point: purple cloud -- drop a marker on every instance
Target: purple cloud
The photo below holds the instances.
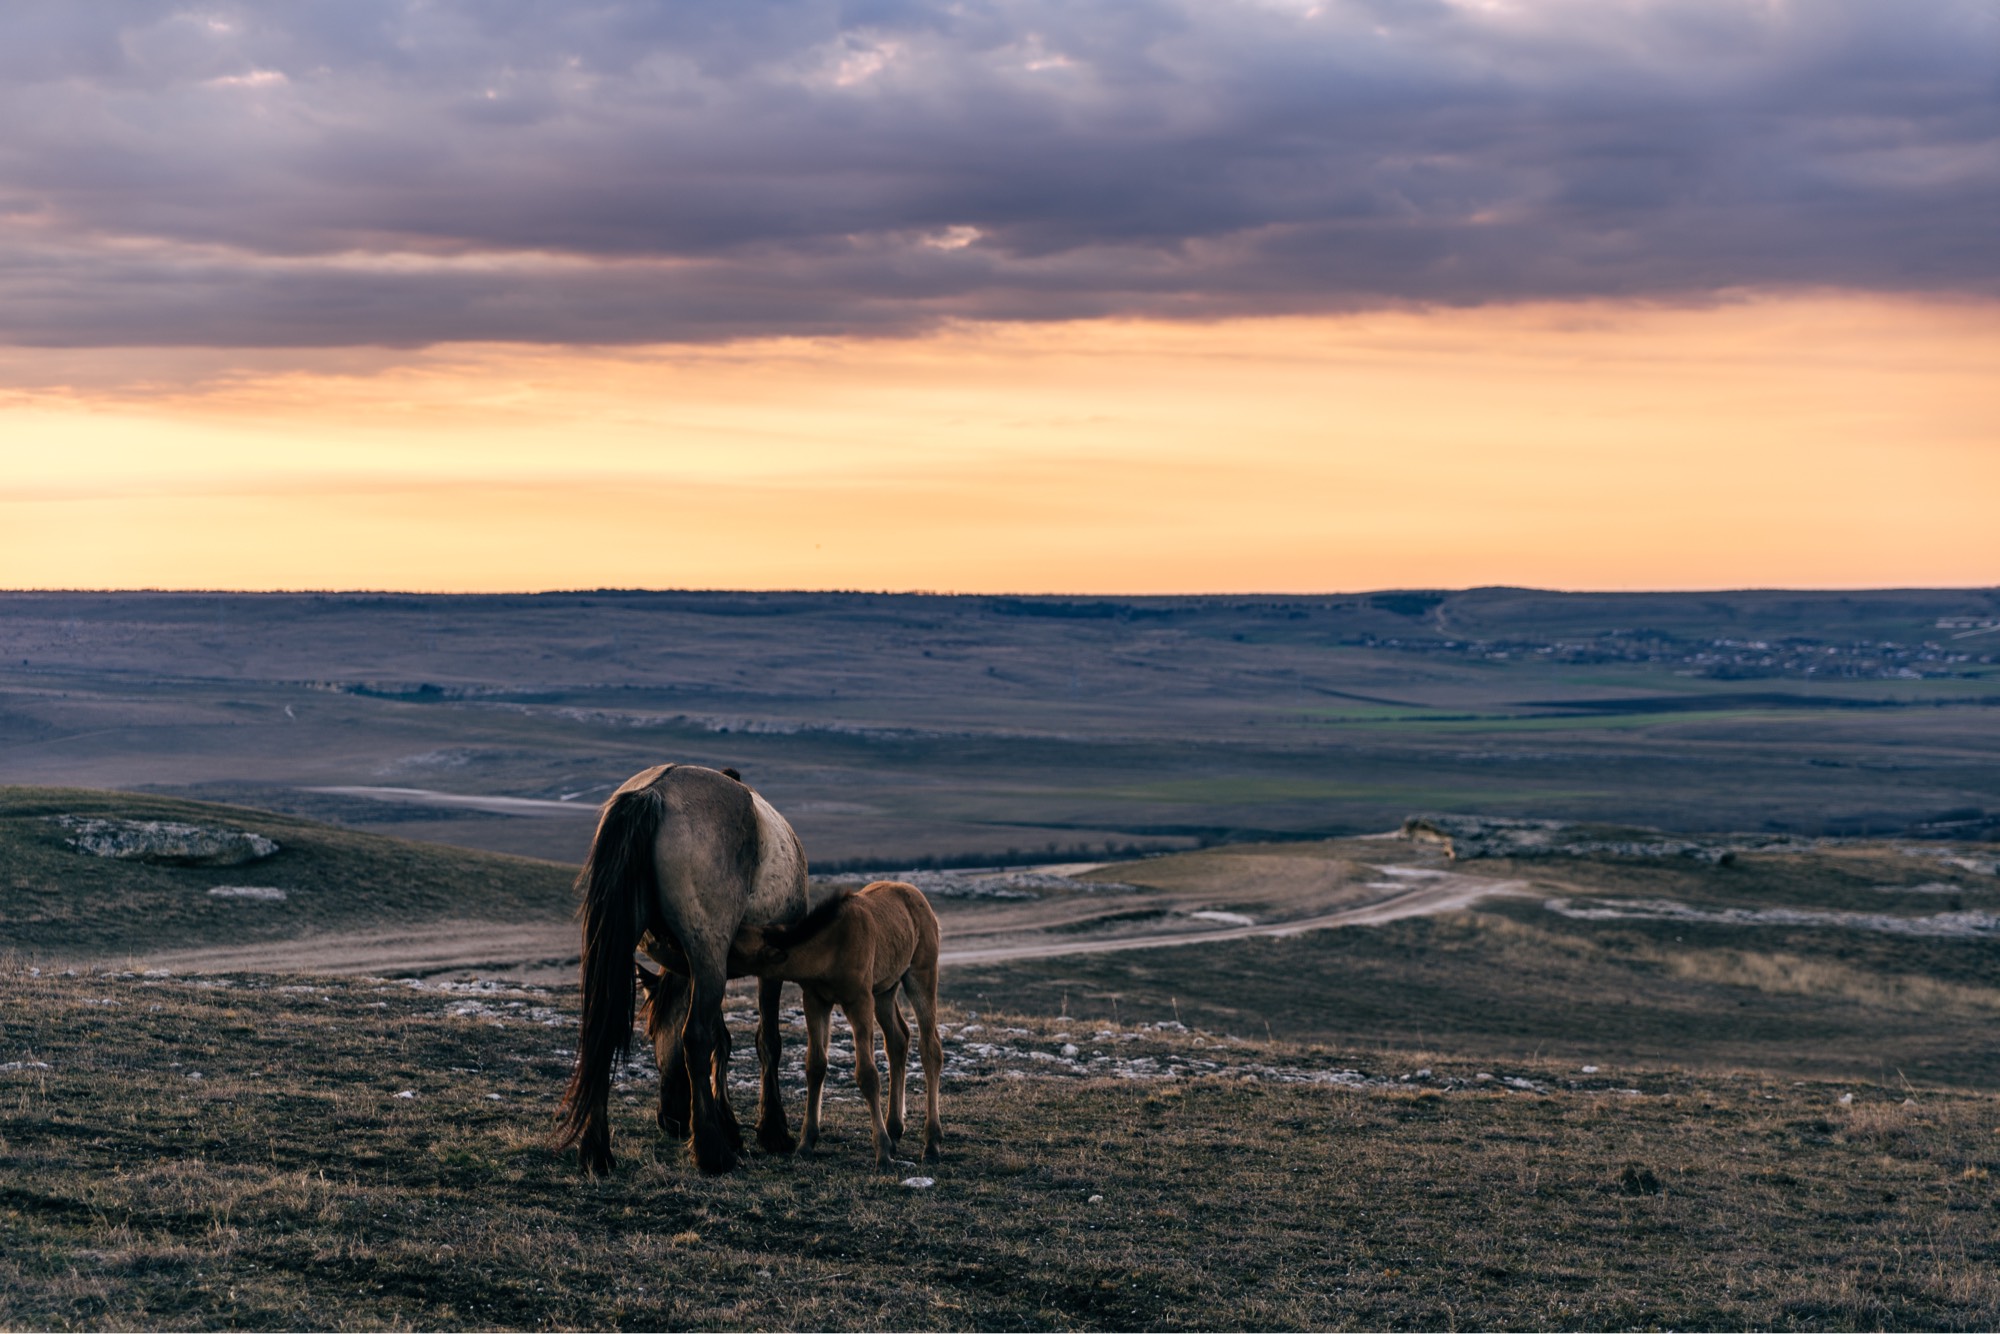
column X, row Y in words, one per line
column 403, row 173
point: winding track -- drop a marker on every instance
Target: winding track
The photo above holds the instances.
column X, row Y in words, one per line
column 546, row 951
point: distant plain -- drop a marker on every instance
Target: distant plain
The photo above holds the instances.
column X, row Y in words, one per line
column 895, row 729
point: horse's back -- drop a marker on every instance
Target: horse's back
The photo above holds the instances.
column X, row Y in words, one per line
column 913, row 916
column 722, row 857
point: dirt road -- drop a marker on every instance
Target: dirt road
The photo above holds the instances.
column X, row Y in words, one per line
column 546, row 951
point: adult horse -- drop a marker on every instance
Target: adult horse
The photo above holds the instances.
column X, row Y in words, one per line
column 686, row 856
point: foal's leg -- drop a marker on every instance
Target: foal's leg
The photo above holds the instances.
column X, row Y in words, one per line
column 859, row 1007
column 670, row 1008
column 773, row 1135
column 896, row 1043
column 819, row 1022
column 920, row 985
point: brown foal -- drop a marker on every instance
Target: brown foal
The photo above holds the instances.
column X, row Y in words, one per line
column 854, row 951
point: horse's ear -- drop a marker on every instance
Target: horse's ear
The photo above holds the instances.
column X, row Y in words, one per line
column 731, row 773
column 771, row 954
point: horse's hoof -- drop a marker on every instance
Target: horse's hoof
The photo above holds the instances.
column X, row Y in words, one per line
column 669, row 1126
column 932, row 1154
column 895, row 1132
column 776, row 1139
column 598, row 1164
column 713, row 1151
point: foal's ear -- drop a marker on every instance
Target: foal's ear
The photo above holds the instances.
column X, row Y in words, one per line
column 772, row 954
column 731, row 773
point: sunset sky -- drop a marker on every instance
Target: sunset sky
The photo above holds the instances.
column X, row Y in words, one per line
column 1144, row 297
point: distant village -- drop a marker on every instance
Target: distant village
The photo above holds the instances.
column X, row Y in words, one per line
column 1744, row 659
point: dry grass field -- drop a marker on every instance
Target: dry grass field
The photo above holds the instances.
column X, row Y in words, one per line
column 200, row 1153
column 1628, row 1092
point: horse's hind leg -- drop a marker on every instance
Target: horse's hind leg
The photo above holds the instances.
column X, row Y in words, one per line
column 896, row 1042
column 819, row 1023
column 669, row 1017
column 773, row 1135
column 719, row 1074
column 920, row 985
column 707, row 1040
column 859, row 1007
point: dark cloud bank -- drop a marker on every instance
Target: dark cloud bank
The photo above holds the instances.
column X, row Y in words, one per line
column 375, row 172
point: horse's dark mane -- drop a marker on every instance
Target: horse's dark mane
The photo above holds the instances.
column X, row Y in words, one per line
column 791, row 935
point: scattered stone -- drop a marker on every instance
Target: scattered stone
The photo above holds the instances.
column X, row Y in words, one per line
column 260, row 893
column 1947, row 925
column 407, row 1093
column 919, row 1183
column 989, row 882
column 163, row 841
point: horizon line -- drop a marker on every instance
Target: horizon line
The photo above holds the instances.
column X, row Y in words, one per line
column 633, row 591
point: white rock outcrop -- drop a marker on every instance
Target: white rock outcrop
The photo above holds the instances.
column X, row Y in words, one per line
column 165, row 841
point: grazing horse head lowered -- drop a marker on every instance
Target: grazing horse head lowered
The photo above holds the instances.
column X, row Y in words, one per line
column 683, row 858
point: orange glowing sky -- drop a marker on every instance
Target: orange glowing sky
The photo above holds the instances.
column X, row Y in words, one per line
column 1163, row 296
column 1806, row 442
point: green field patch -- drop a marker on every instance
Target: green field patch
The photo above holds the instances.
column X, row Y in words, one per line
column 1258, row 789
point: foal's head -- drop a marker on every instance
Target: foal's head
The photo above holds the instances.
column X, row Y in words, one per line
column 761, row 947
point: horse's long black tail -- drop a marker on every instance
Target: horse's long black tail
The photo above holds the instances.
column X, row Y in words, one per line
column 613, row 884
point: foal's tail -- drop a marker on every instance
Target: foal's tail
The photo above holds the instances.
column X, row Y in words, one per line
column 613, row 884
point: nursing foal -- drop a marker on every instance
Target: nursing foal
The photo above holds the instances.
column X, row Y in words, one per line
column 853, row 951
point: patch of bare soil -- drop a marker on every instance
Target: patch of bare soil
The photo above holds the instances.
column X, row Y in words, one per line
column 524, row 951
column 1238, row 898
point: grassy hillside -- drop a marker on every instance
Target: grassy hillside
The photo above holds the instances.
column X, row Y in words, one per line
column 1519, row 980
column 354, row 1154
column 59, row 903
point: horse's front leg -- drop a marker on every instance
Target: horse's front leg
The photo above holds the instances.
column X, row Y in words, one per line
column 773, row 1134
column 860, row 1011
column 666, row 1022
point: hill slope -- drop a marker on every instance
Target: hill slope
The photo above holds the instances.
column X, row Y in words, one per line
column 57, row 903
